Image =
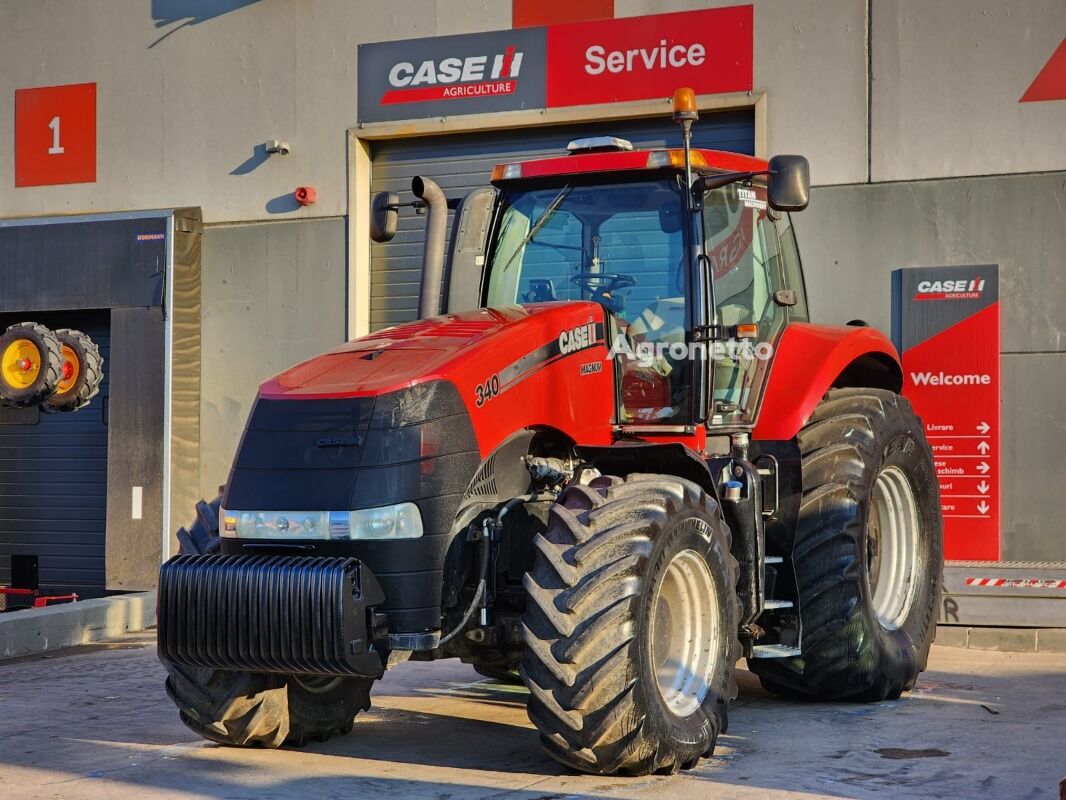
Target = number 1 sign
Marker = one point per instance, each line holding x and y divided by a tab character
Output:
55	135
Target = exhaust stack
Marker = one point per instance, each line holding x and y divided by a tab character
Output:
432	195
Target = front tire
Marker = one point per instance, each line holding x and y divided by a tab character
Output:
868	552
623	566
244	709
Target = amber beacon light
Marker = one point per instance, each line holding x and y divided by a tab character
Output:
685	105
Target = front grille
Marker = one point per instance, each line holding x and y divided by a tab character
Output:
283	614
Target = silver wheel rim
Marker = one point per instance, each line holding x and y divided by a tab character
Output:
684	633
892	547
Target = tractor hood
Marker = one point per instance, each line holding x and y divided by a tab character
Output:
444	347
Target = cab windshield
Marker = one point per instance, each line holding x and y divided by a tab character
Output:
619	244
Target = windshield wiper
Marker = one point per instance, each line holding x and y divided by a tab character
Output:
549	212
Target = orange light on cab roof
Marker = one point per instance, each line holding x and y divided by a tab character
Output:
676	158
504	172
685	105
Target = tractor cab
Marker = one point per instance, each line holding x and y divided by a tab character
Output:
689	252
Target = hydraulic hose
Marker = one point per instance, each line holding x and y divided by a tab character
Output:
485	558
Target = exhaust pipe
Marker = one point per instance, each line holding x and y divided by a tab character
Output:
428	191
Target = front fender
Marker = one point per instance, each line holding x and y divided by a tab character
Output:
811	359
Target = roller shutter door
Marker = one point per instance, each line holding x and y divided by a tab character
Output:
53	478
463	162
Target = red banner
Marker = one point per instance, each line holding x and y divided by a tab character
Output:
642	57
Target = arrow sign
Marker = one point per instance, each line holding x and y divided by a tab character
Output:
983	507
983	468
983	487
984	427
983	447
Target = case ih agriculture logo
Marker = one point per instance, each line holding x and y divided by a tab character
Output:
453	78
950	290
584	63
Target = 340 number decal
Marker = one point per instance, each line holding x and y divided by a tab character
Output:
484	392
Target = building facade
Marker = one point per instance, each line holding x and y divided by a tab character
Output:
936	134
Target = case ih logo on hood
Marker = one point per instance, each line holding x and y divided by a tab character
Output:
453	78
951	290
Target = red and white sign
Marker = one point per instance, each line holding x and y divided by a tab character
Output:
950	336
580	63
55	135
641	57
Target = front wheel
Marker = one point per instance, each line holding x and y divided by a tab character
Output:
868	552
246	709
631	626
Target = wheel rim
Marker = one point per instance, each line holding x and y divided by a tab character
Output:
70	371
21	364
684	633
892	547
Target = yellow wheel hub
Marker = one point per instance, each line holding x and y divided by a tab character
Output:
20	364
70	370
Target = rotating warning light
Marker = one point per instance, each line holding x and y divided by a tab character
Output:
685	105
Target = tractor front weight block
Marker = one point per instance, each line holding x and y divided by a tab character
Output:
293	615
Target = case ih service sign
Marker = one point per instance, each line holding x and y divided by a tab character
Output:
948	329
584	63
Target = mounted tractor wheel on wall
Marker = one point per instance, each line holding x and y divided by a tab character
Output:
30	364
81	372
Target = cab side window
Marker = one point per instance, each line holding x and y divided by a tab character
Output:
792	269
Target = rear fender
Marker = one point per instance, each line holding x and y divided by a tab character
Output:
812	359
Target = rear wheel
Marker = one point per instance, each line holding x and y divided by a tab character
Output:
252	710
631	626
868	552
30	364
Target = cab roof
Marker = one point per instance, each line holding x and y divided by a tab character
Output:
703	161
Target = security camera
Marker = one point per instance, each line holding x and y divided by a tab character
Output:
281	148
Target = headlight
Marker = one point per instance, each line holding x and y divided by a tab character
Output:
400	521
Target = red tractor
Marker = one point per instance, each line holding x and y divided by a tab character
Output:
621	460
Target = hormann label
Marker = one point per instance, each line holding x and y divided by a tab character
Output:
948	332
605	61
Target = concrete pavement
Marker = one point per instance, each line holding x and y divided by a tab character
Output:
94	723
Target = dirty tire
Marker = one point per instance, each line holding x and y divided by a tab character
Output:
251	710
593	593
43	385
320	708
849	653
89	376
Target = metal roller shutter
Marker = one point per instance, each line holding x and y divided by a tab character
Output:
463	162
53	479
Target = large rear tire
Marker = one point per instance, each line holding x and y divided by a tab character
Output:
631	626
868	552
251	710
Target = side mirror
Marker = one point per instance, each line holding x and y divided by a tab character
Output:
789	184
384	216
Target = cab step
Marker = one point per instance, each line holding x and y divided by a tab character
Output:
774	651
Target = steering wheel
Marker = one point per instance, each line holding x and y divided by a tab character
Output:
601	285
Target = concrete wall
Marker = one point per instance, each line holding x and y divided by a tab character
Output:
187	90
273	295
852	237
947	78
